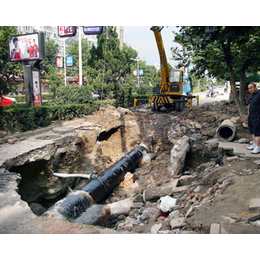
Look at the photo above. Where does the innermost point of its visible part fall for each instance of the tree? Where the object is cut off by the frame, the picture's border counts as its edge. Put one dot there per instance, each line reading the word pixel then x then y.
pixel 7 69
pixel 73 50
pixel 218 50
pixel 52 50
pixel 53 78
pixel 108 67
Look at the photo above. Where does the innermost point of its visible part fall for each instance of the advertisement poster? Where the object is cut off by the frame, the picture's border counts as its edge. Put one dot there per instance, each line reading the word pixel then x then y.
pixel 36 88
pixel 67 31
pixel 24 47
pixel 69 61
pixel 59 62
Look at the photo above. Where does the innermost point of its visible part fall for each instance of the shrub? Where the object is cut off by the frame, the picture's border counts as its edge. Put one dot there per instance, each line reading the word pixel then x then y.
pixel 66 95
pixel 21 98
pixel 19 118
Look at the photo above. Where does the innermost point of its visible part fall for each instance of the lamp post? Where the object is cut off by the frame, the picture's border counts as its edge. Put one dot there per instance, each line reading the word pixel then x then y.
pixel 80 58
pixel 65 63
pixel 137 70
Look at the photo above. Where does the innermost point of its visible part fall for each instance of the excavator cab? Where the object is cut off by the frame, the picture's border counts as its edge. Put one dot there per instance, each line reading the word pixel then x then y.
pixel 176 82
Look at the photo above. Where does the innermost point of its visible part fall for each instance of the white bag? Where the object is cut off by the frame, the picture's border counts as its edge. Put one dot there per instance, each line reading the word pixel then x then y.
pixel 167 203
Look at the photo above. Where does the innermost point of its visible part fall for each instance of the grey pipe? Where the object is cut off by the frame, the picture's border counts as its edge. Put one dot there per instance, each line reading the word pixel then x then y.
pixel 226 131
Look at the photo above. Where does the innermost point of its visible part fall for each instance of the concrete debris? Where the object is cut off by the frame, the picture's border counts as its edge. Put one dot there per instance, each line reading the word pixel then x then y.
pixel 233 158
pixel 254 204
pixel 178 155
pixel 155 228
pixel 215 228
pixel 212 181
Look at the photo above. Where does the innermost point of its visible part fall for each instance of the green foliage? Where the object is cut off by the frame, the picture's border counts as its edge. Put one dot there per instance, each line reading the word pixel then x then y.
pixel 73 50
pixel 7 69
pixel 52 50
pixel 226 52
pixel 132 97
pixel 17 118
pixel 72 94
pixel 21 98
pixel 53 78
pixel 109 69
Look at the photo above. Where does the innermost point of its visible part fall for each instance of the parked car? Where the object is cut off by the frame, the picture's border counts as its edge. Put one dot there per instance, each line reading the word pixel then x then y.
pixel 6 101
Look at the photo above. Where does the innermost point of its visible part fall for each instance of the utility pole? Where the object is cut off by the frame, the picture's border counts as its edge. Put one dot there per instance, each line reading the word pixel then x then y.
pixel 138 85
pixel 121 38
pixel 64 62
pixel 80 58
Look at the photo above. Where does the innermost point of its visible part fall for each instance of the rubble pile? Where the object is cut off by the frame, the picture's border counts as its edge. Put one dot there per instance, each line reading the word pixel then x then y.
pixel 213 189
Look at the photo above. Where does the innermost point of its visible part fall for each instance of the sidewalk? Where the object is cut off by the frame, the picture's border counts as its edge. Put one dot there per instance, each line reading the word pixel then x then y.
pixel 238 149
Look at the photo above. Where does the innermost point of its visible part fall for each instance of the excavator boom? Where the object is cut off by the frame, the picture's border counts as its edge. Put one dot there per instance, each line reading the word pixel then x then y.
pixel 165 73
pixel 171 91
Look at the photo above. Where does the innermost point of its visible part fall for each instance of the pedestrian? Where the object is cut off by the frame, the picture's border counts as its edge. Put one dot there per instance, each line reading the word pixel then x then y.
pixel 254 117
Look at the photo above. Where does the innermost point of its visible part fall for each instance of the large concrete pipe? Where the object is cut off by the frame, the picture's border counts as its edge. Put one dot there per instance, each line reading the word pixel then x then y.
pixel 226 131
pixel 96 189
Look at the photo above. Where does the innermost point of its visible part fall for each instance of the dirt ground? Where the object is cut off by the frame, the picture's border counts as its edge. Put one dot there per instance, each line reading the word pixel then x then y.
pixel 225 206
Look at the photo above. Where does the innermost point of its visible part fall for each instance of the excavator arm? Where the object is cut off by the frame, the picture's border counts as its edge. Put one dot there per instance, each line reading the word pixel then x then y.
pixel 171 90
pixel 165 73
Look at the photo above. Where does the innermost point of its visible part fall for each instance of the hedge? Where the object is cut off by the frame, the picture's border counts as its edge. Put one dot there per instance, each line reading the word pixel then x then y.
pixel 18 118
pixel 21 98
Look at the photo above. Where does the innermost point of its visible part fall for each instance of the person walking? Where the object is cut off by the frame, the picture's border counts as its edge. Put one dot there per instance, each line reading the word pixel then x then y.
pixel 254 117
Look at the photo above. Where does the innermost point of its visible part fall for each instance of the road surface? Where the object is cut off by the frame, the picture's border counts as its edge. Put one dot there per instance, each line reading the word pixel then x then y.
pixel 204 99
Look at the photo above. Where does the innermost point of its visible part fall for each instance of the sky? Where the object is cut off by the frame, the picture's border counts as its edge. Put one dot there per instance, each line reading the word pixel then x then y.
pixel 142 39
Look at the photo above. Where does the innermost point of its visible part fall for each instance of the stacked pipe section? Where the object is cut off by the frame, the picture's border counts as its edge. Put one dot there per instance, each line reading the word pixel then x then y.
pixel 97 189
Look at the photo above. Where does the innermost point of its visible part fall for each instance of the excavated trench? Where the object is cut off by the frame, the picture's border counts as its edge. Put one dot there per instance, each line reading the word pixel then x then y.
pixel 42 190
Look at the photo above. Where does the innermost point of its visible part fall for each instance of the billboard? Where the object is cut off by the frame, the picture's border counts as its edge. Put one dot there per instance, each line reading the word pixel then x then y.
pixel 141 72
pixel 67 31
pixel 69 61
pixel 36 88
pixel 90 30
pixel 25 47
pixel 59 62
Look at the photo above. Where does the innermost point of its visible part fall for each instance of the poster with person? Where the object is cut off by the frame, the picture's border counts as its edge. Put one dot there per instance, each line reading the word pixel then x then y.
pixel 36 88
pixel 24 47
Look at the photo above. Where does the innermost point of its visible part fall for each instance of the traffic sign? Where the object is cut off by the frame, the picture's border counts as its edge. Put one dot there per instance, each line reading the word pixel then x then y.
pixel 88 30
pixel 69 61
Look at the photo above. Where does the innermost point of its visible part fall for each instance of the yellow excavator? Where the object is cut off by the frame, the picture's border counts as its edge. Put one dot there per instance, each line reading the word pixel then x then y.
pixel 170 94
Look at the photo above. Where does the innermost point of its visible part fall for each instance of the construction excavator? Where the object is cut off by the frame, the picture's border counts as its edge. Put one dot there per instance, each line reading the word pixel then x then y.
pixel 170 94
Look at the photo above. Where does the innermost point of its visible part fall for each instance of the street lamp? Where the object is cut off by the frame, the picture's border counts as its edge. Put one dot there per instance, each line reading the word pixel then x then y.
pixel 137 69
pixel 80 57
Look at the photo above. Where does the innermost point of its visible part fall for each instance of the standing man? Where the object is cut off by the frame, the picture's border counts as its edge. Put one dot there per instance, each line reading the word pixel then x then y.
pixel 254 117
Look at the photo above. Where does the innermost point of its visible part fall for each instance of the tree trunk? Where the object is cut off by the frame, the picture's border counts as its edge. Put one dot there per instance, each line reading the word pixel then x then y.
pixel 234 92
pixel 228 58
pixel 242 76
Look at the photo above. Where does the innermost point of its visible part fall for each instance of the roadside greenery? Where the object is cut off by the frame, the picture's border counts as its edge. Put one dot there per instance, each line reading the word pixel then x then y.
pixel 18 118
pixel 226 52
